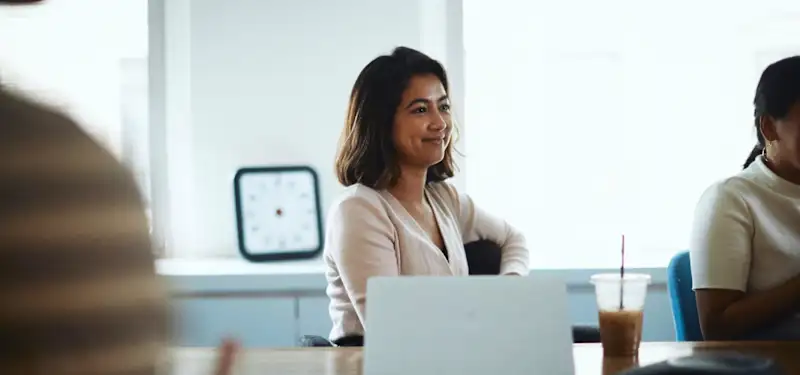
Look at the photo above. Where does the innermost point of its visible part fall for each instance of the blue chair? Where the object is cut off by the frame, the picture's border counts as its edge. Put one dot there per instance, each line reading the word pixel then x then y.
pixel 681 295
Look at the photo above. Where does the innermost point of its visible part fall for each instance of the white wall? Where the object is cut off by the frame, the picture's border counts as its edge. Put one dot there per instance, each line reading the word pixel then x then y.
pixel 55 53
pixel 267 82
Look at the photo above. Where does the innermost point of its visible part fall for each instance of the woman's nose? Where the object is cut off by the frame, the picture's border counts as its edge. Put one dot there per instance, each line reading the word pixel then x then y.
pixel 438 122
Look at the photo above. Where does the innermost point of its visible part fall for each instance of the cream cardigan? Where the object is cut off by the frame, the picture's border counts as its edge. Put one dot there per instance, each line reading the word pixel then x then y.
pixel 369 233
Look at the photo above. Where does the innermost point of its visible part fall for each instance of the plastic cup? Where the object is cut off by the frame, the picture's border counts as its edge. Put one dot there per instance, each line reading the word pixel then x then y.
pixel 620 304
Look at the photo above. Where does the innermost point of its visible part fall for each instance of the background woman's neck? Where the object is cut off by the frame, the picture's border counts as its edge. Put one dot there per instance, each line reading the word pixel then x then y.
pixel 784 170
pixel 410 187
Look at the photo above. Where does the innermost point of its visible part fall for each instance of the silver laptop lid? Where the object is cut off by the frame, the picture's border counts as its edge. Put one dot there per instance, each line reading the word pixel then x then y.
pixel 467 325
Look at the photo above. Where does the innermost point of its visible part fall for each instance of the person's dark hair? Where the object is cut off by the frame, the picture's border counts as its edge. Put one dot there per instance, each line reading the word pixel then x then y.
pixel 777 91
pixel 20 2
pixel 367 153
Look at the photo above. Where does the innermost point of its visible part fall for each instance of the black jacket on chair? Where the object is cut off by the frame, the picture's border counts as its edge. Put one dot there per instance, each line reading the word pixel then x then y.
pixel 483 258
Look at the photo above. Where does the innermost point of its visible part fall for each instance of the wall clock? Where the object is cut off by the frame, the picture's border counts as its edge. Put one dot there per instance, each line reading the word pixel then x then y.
pixel 278 213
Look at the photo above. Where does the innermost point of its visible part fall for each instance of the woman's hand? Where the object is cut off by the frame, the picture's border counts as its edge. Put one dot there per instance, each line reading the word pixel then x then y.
pixel 226 356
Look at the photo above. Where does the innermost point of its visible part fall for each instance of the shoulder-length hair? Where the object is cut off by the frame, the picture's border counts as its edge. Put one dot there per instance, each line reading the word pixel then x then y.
pixel 778 90
pixel 367 153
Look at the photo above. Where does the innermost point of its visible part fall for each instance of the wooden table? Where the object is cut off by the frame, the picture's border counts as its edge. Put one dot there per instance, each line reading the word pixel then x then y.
pixel 347 361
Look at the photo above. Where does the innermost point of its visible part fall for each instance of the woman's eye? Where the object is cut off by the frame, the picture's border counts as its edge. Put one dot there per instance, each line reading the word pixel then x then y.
pixel 419 110
pixel 444 108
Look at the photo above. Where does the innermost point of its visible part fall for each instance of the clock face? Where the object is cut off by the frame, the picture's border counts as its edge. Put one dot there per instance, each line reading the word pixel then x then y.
pixel 278 212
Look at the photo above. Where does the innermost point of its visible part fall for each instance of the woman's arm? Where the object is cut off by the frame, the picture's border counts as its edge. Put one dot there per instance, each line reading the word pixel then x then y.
pixel 359 240
pixel 478 224
pixel 730 314
pixel 721 250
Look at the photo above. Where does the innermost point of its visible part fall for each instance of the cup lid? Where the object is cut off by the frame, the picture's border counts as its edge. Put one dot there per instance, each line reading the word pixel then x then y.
pixel 614 277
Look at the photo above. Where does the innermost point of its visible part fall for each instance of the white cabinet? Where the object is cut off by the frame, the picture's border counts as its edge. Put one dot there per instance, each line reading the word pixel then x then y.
pixel 256 322
pixel 313 318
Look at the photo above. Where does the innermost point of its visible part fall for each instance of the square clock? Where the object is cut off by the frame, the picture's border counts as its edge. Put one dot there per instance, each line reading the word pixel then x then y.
pixel 278 214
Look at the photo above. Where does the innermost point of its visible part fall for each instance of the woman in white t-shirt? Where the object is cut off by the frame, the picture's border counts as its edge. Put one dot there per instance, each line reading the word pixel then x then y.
pixel 745 246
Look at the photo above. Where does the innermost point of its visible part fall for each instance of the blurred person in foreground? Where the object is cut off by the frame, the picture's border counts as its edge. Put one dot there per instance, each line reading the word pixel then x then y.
pixel 78 289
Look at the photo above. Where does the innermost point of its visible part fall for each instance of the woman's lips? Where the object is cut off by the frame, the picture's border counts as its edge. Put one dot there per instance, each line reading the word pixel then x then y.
pixel 436 141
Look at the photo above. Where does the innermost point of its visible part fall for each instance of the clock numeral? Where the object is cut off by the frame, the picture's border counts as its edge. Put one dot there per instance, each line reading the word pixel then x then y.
pixel 297 238
pixel 252 197
pixel 306 226
pixel 255 228
pixel 282 243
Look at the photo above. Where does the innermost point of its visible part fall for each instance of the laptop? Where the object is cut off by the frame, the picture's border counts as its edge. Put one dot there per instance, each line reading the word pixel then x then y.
pixel 467 325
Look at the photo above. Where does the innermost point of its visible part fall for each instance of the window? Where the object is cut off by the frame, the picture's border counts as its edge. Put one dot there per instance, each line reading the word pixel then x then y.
pixel 586 119
pixel 134 120
pixel 88 57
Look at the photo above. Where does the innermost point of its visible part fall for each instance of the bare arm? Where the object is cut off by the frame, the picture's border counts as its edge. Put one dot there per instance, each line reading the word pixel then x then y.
pixel 730 314
pixel 721 252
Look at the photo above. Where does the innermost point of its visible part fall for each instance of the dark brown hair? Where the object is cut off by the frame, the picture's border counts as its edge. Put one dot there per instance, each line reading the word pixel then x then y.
pixel 367 153
pixel 777 91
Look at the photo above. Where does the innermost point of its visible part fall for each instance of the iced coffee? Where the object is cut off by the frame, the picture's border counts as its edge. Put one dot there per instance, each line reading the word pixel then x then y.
pixel 620 332
pixel 620 301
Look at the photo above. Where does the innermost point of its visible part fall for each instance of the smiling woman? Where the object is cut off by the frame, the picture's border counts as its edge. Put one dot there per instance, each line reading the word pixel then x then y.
pixel 398 216
pixel 367 151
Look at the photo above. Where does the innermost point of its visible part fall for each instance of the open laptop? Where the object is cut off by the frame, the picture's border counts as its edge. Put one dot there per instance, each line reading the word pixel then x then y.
pixel 467 325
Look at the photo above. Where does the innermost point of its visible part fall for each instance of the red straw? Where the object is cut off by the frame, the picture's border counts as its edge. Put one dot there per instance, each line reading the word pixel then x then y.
pixel 622 273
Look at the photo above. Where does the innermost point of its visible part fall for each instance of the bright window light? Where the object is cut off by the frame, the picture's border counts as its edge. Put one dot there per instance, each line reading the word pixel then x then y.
pixel 586 120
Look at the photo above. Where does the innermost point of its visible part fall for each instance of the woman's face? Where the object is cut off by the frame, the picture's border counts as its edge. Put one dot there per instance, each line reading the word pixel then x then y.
pixel 422 122
pixel 784 134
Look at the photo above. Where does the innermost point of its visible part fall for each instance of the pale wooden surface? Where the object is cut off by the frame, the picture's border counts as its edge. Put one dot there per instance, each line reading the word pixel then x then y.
pixel 347 361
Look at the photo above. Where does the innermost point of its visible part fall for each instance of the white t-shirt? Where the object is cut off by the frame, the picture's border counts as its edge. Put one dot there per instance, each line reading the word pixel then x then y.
pixel 746 232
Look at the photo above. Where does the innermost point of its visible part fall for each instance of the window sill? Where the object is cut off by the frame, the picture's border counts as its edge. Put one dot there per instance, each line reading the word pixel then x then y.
pixel 235 267
pixel 231 276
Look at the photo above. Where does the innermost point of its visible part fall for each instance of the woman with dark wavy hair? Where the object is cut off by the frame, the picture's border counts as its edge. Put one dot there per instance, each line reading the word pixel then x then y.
pixel 745 247
pixel 398 216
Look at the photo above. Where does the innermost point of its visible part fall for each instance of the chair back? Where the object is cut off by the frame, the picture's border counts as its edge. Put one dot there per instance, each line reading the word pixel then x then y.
pixel 681 295
pixel 483 257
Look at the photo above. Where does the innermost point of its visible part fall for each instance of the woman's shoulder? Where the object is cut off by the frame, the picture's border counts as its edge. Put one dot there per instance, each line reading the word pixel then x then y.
pixel 360 211
pixel 725 195
pixel 358 199
pixel 445 192
pixel 744 185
